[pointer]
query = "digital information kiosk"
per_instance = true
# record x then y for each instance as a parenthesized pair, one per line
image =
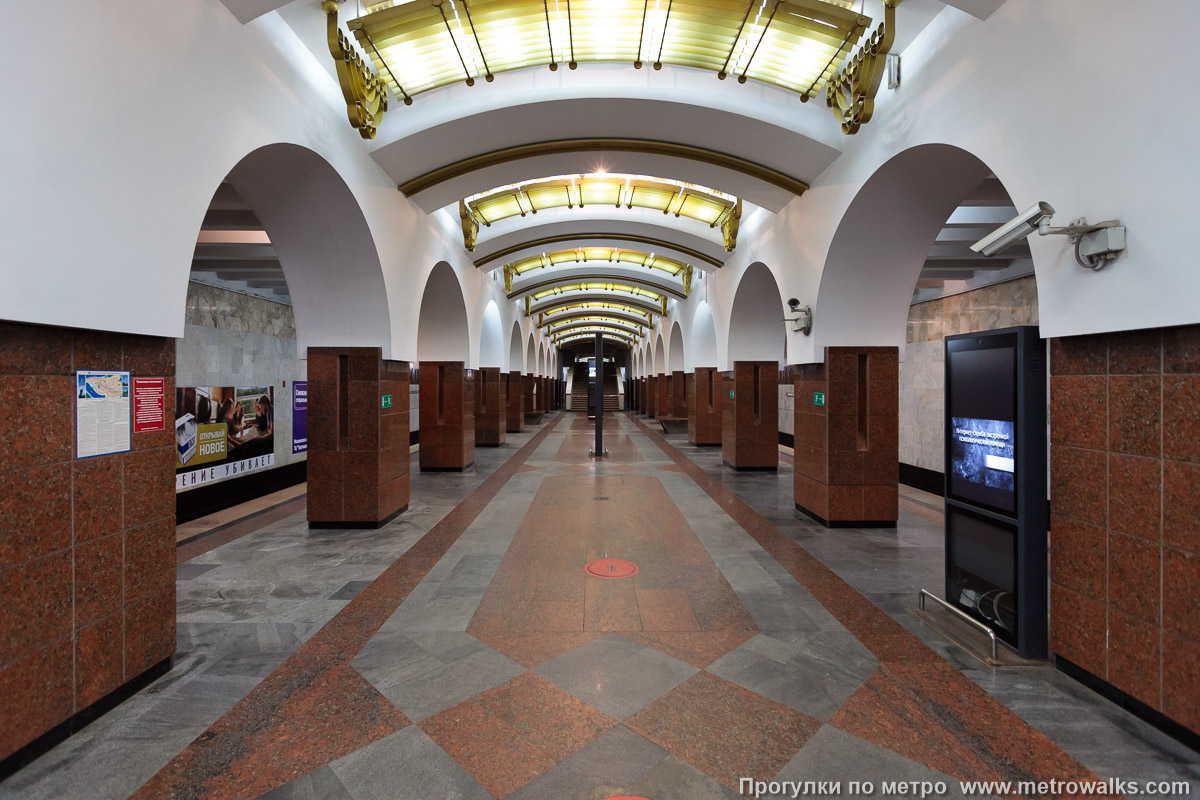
(996, 509)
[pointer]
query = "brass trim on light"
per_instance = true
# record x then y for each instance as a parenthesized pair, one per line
(616, 316)
(584, 335)
(594, 326)
(624, 237)
(613, 145)
(547, 304)
(364, 92)
(597, 278)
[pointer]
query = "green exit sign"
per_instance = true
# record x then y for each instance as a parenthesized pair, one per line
(818, 398)
(386, 401)
(731, 394)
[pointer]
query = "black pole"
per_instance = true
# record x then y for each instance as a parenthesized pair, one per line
(599, 448)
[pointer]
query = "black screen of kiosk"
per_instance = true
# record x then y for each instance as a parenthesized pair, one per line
(981, 420)
(981, 559)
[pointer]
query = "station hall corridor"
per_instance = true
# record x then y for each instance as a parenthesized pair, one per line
(462, 652)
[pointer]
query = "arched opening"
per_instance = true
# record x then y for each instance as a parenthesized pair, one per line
(660, 356)
(514, 348)
(491, 337)
(703, 346)
(531, 357)
(311, 220)
(756, 330)
(884, 240)
(675, 354)
(442, 327)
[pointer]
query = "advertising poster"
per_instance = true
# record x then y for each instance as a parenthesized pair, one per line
(299, 417)
(101, 413)
(149, 405)
(222, 431)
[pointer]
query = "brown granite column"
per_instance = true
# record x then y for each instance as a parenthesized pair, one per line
(651, 394)
(491, 407)
(532, 397)
(357, 437)
(516, 403)
(662, 396)
(679, 403)
(704, 407)
(87, 545)
(750, 417)
(847, 438)
(447, 417)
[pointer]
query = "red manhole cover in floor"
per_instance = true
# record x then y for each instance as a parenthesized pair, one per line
(611, 568)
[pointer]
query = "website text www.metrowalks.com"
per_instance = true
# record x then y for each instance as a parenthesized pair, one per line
(1111, 787)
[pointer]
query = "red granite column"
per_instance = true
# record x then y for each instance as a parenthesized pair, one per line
(704, 407)
(515, 403)
(679, 403)
(651, 394)
(358, 439)
(662, 397)
(447, 417)
(87, 545)
(750, 418)
(491, 407)
(847, 438)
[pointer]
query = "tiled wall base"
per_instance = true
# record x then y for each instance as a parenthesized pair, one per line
(78, 721)
(750, 419)
(89, 542)
(357, 449)
(847, 450)
(1125, 505)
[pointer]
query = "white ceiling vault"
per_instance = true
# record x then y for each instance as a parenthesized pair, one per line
(443, 148)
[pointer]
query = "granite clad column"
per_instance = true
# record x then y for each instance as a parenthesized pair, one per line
(651, 394)
(447, 417)
(662, 397)
(847, 438)
(750, 418)
(516, 403)
(357, 437)
(679, 403)
(704, 407)
(491, 407)
(529, 382)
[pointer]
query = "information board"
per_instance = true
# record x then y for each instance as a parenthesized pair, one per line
(149, 405)
(101, 413)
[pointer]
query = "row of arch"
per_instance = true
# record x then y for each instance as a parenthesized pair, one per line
(443, 333)
(289, 186)
(753, 332)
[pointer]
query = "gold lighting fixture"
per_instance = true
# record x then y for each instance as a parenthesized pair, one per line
(851, 93)
(426, 44)
(570, 309)
(365, 93)
(712, 207)
(615, 338)
(615, 255)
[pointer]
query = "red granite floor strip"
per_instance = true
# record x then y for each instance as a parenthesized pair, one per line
(540, 586)
(724, 730)
(255, 737)
(1003, 742)
(507, 736)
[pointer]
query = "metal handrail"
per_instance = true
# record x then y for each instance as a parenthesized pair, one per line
(963, 616)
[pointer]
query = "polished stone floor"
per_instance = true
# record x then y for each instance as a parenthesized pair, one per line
(461, 652)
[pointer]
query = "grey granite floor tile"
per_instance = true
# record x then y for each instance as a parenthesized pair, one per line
(320, 785)
(406, 766)
(672, 779)
(423, 673)
(615, 675)
(604, 767)
(814, 673)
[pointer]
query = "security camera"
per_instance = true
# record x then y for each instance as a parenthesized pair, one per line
(1014, 230)
(802, 322)
(793, 303)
